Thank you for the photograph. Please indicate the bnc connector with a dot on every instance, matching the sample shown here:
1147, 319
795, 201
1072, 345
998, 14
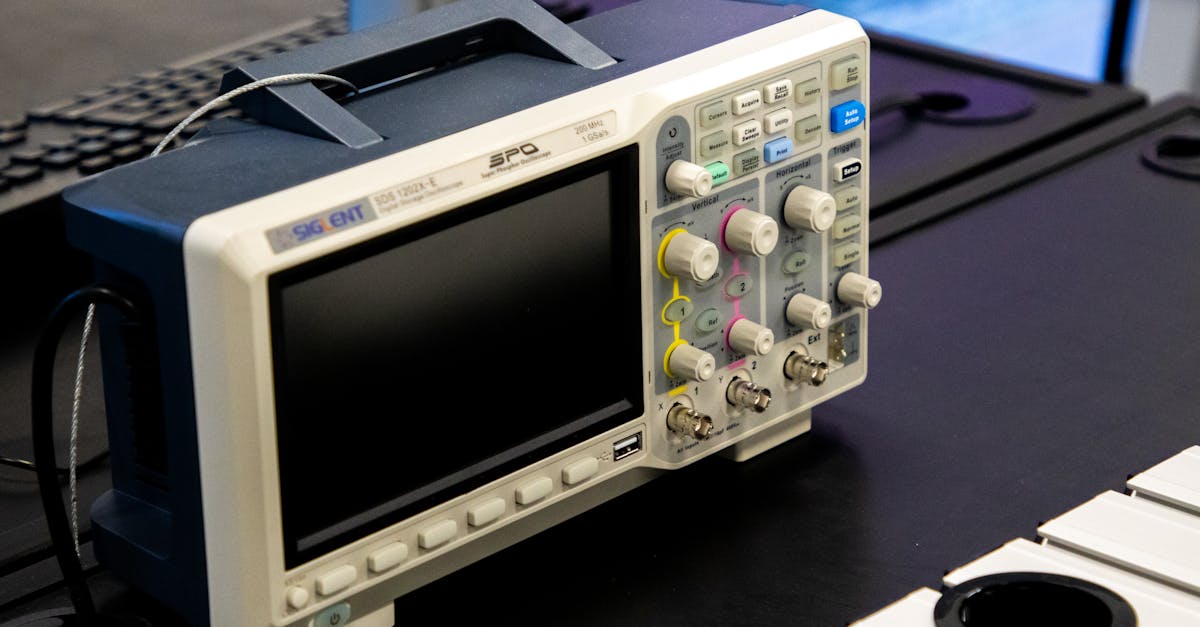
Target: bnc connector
805, 369
688, 422
743, 393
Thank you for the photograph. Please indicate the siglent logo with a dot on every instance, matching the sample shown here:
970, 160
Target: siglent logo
332, 221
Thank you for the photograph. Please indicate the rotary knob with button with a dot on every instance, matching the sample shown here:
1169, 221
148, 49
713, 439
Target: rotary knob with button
750, 338
809, 209
688, 179
690, 362
751, 232
691, 257
858, 290
808, 312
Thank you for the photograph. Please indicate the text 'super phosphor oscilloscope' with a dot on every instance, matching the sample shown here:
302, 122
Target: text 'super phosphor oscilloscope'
380, 327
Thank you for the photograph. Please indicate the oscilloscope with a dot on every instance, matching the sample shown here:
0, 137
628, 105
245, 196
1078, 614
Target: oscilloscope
398, 330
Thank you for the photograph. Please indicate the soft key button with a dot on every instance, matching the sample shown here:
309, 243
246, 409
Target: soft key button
534, 491
714, 114
777, 121
747, 132
336, 580
778, 91
579, 471
845, 73
297, 597
746, 102
486, 512
437, 534
387, 557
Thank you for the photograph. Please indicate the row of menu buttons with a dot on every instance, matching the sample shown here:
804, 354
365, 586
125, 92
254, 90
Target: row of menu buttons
716, 113
443, 531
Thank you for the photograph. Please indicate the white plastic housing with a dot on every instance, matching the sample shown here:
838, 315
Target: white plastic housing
809, 209
858, 290
688, 179
751, 232
691, 257
808, 312
751, 338
690, 362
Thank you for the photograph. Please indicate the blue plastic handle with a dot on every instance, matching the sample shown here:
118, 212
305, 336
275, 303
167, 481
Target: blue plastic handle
388, 51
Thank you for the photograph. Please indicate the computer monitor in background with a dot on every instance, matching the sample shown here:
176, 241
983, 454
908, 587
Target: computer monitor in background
1083, 39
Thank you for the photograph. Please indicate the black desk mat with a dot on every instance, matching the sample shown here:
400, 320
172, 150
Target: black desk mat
988, 114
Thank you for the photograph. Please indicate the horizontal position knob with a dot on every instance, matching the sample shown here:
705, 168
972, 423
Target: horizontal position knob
690, 362
858, 290
750, 338
688, 179
691, 257
808, 312
751, 232
809, 209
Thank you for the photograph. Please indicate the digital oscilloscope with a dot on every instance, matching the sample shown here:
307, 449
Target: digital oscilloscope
396, 331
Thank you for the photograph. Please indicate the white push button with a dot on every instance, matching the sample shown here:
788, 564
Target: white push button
336, 580
388, 557
746, 132
746, 102
534, 491
486, 512
777, 121
297, 597
437, 534
846, 169
777, 91
581, 470
845, 73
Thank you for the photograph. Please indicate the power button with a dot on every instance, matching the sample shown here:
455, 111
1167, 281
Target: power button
333, 616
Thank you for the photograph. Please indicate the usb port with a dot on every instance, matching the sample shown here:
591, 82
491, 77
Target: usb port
627, 446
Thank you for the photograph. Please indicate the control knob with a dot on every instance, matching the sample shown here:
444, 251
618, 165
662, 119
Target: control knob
808, 312
690, 362
690, 256
751, 232
750, 338
858, 290
809, 209
688, 179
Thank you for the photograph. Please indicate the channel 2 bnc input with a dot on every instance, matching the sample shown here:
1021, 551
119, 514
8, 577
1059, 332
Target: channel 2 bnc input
805, 369
743, 393
687, 422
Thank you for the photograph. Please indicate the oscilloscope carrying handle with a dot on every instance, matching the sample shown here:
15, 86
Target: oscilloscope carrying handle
394, 49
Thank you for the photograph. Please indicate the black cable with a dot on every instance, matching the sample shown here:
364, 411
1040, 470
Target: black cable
43, 437
25, 464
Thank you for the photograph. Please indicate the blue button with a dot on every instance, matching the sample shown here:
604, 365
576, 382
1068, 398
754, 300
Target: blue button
777, 150
333, 616
846, 116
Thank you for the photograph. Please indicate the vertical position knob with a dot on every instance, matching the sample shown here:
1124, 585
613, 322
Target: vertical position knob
751, 232
750, 339
808, 312
689, 362
691, 257
809, 209
688, 179
858, 290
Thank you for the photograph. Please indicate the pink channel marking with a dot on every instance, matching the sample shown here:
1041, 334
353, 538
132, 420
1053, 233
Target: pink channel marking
735, 209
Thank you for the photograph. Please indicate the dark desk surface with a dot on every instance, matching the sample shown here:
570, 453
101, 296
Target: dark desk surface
1029, 353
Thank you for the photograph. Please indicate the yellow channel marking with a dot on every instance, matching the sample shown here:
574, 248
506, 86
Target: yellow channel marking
677, 391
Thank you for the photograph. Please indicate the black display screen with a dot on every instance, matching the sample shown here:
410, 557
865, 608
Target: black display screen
415, 367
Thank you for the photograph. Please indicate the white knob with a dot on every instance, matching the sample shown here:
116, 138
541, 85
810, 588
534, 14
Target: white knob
688, 179
751, 232
809, 209
808, 312
692, 257
750, 338
297, 597
689, 362
856, 289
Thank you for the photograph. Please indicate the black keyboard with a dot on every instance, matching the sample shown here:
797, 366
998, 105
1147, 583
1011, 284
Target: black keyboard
58, 143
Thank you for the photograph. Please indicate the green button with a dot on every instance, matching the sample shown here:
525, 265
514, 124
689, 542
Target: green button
739, 285
677, 310
795, 263
708, 321
719, 172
